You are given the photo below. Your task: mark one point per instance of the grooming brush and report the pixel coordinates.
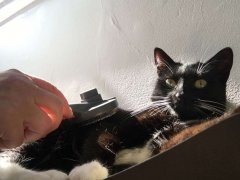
(93, 108)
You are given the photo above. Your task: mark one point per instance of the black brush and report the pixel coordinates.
(93, 108)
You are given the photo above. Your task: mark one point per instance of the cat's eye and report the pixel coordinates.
(171, 83)
(201, 83)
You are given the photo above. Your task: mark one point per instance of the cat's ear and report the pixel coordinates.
(222, 63)
(162, 59)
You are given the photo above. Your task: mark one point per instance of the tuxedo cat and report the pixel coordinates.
(184, 94)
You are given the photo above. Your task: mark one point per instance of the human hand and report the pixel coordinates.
(30, 108)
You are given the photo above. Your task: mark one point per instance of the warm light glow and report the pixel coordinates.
(12, 8)
(4, 163)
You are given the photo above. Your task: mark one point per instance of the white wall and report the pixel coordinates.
(81, 44)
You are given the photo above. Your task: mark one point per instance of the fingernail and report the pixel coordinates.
(71, 112)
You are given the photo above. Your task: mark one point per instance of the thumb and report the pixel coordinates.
(67, 111)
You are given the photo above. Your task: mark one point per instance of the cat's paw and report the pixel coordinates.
(13, 171)
(55, 174)
(44, 175)
(90, 171)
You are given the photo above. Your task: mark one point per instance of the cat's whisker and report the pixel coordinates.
(153, 105)
(220, 107)
(155, 111)
(201, 112)
(214, 102)
(201, 65)
(212, 108)
(205, 66)
(142, 109)
(160, 101)
(165, 109)
(161, 104)
(221, 111)
(199, 68)
(123, 116)
(69, 159)
(161, 98)
(156, 107)
(159, 109)
(24, 160)
(198, 111)
(157, 96)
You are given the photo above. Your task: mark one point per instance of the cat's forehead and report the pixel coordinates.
(187, 68)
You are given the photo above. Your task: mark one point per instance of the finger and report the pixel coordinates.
(51, 104)
(13, 138)
(37, 126)
(67, 111)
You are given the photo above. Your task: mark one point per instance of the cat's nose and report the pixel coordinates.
(179, 94)
(177, 98)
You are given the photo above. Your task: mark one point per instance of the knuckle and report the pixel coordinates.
(11, 82)
(14, 81)
(14, 71)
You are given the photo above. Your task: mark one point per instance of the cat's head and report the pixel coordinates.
(192, 91)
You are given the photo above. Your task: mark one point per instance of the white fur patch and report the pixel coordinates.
(133, 156)
(182, 68)
(171, 110)
(55, 174)
(89, 171)
(12, 171)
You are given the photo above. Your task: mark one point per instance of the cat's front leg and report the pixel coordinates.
(90, 171)
(13, 171)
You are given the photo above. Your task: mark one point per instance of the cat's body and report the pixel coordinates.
(182, 94)
(72, 144)
(110, 143)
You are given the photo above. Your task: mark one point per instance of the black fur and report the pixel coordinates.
(72, 144)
